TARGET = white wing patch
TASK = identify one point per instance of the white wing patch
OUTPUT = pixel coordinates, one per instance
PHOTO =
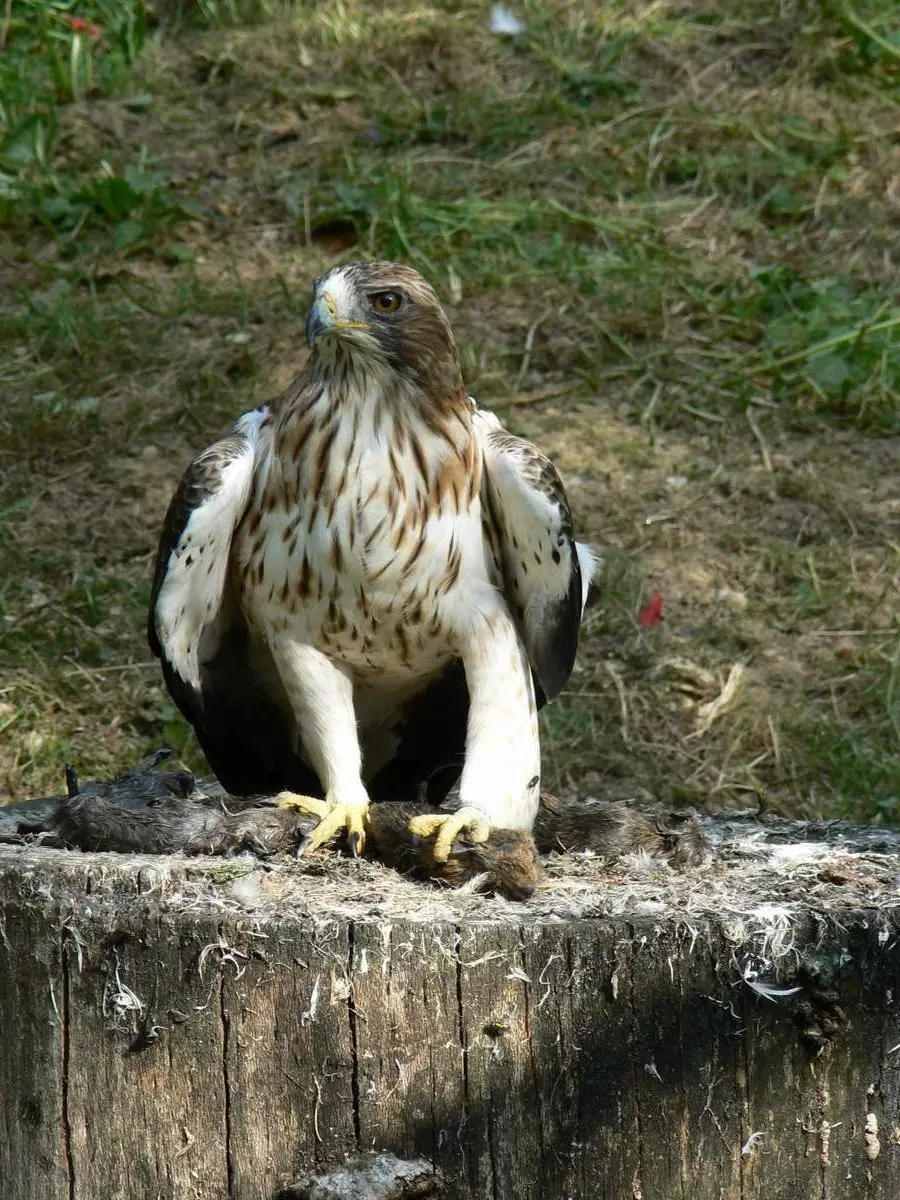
(215, 490)
(546, 573)
(590, 562)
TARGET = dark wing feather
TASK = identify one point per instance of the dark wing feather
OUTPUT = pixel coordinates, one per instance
(529, 527)
(201, 485)
(190, 597)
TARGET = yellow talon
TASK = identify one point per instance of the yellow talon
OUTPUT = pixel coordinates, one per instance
(306, 804)
(333, 817)
(448, 827)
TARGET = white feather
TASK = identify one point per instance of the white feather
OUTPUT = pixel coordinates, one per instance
(589, 562)
(192, 593)
(502, 771)
(533, 536)
(504, 21)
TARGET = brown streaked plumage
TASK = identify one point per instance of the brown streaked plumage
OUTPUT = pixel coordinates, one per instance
(391, 576)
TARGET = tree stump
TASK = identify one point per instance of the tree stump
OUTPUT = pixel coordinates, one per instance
(199, 1028)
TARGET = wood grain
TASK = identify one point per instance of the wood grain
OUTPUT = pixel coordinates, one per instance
(183, 1028)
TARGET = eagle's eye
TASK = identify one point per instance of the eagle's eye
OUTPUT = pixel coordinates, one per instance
(385, 302)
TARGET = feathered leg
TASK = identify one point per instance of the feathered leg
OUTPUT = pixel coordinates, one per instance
(321, 697)
(501, 777)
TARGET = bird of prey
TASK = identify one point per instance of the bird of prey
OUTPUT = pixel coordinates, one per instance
(367, 589)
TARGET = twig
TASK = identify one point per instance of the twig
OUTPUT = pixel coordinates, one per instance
(307, 220)
(708, 713)
(455, 160)
(761, 441)
(529, 346)
(73, 619)
(535, 397)
(316, 1107)
(842, 632)
(623, 703)
(776, 745)
(131, 666)
(189, 1140)
(701, 413)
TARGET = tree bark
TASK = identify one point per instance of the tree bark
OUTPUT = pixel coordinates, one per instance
(183, 1028)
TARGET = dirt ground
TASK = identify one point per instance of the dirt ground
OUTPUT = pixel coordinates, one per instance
(665, 239)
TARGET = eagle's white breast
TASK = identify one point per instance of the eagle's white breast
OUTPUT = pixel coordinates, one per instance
(362, 527)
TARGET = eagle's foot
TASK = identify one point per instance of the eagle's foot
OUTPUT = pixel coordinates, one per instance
(310, 805)
(333, 817)
(448, 827)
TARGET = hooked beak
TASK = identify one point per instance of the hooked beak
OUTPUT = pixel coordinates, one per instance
(323, 320)
(320, 320)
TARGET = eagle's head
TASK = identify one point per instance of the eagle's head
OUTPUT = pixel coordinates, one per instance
(377, 315)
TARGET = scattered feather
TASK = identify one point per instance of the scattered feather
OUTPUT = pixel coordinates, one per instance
(769, 990)
(247, 890)
(505, 22)
(798, 852)
(750, 1145)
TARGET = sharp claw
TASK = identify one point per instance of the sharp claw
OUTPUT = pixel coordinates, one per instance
(448, 828)
(310, 805)
(312, 841)
(319, 837)
(443, 844)
(333, 819)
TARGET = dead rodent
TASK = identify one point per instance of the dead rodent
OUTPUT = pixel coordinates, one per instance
(507, 863)
(150, 812)
(611, 828)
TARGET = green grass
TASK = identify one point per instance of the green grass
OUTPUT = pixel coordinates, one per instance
(57, 53)
(671, 225)
(851, 758)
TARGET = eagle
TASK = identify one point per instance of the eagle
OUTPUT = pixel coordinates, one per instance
(368, 588)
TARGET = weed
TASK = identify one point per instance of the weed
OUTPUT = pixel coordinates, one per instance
(840, 337)
(854, 773)
(54, 58)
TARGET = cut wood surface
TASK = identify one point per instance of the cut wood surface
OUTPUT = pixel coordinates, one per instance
(203, 1028)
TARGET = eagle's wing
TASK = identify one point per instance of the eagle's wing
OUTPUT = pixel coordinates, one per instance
(219, 674)
(190, 598)
(545, 572)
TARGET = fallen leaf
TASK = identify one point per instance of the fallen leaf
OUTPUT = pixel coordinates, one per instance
(79, 25)
(726, 699)
(651, 613)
